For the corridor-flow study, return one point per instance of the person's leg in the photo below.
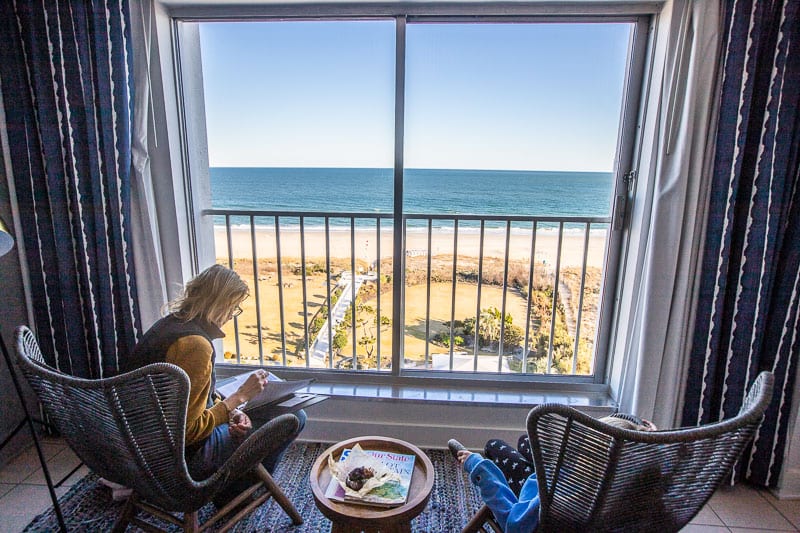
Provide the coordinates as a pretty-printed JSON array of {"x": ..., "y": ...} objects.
[
  {"x": 272, "y": 460},
  {"x": 216, "y": 449},
  {"x": 219, "y": 446},
  {"x": 524, "y": 447},
  {"x": 515, "y": 467}
]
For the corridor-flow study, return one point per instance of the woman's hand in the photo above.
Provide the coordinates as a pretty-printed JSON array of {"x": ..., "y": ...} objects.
[
  {"x": 254, "y": 384},
  {"x": 239, "y": 425}
]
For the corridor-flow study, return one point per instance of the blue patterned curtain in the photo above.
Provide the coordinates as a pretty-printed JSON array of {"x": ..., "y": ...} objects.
[
  {"x": 747, "y": 316},
  {"x": 65, "y": 72}
]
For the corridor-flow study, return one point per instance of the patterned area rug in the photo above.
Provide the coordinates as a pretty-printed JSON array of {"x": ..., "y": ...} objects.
[{"x": 88, "y": 505}]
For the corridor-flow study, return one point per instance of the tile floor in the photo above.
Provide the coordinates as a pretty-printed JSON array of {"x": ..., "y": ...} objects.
[
  {"x": 23, "y": 492},
  {"x": 23, "y": 495}
]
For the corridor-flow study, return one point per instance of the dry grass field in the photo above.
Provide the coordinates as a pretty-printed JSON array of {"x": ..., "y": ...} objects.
[{"x": 287, "y": 307}]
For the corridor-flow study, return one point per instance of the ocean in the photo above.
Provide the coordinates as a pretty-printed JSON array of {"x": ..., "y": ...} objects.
[{"x": 426, "y": 191}]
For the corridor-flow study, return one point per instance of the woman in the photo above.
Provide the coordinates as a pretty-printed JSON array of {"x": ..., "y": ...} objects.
[{"x": 214, "y": 425}]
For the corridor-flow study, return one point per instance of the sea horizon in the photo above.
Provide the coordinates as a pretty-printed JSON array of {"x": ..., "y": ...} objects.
[{"x": 426, "y": 191}]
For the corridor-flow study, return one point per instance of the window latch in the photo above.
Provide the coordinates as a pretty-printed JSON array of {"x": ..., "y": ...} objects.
[
  {"x": 628, "y": 179},
  {"x": 621, "y": 201}
]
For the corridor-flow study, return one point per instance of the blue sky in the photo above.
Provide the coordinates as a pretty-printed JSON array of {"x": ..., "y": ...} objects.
[{"x": 482, "y": 96}]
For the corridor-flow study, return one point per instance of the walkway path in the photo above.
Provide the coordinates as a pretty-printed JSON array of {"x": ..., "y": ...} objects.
[
  {"x": 565, "y": 295},
  {"x": 319, "y": 350}
]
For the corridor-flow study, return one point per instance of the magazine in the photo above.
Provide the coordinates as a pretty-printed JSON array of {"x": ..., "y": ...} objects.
[
  {"x": 277, "y": 391},
  {"x": 390, "y": 494}
]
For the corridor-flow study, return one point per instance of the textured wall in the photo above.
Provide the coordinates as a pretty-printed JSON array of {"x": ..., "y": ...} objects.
[{"x": 12, "y": 313}]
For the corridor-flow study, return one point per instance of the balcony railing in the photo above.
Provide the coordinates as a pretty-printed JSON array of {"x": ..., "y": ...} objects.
[{"x": 497, "y": 294}]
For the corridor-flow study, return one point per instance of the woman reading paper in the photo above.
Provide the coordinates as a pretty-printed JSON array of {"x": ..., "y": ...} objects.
[{"x": 184, "y": 337}]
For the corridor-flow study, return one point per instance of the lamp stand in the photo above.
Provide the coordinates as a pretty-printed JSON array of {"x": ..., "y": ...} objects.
[{"x": 29, "y": 421}]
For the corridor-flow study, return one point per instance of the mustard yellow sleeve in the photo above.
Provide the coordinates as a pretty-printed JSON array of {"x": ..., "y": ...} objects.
[{"x": 193, "y": 355}]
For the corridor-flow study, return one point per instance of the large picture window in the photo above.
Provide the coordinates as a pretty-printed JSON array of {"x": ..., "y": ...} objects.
[{"x": 427, "y": 195}]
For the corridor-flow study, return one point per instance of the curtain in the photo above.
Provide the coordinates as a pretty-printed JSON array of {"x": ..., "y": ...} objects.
[
  {"x": 665, "y": 239},
  {"x": 65, "y": 73},
  {"x": 747, "y": 312},
  {"x": 148, "y": 259}
]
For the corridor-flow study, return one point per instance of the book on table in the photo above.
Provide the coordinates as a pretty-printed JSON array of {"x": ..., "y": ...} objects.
[
  {"x": 278, "y": 396},
  {"x": 390, "y": 494}
]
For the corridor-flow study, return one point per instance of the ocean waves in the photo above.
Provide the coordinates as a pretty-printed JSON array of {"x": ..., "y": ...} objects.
[{"x": 425, "y": 191}]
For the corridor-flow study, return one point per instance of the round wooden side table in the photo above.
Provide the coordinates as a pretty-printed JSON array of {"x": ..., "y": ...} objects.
[{"x": 354, "y": 517}]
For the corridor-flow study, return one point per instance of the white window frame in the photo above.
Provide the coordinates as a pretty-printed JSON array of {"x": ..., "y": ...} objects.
[{"x": 191, "y": 168}]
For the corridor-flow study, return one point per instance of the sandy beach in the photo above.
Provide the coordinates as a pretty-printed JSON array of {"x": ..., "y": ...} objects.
[{"x": 365, "y": 244}]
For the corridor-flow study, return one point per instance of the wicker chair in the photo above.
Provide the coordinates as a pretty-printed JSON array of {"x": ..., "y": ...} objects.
[
  {"x": 595, "y": 477},
  {"x": 130, "y": 428}
]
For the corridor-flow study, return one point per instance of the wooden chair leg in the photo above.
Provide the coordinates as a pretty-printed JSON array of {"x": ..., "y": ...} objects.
[
  {"x": 278, "y": 494},
  {"x": 125, "y": 517},
  {"x": 475, "y": 525},
  {"x": 190, "y": 522}
]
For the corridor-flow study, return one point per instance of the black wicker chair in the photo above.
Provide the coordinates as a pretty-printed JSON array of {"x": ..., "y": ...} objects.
[
  {"x": 595, "y": 477},
  {"x": 130, "y": 429}
]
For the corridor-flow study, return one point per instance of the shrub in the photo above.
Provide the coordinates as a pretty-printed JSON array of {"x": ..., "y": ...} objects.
[
  {"x": 340, "y": 338},
  {"x": 512, "y": 336}
]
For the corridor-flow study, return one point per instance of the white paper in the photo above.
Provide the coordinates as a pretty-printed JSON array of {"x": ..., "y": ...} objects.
[
  {"x": 231, "y": 385},
  {"x": 359, "y": 458}
]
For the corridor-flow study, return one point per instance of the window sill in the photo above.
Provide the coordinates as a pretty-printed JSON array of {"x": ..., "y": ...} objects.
[
  {"x": 459, "y": 395},
  {"x": 430, "y": 415},
  {"x": 445, "y": 391},
  {"x": 428, "y": 412}
]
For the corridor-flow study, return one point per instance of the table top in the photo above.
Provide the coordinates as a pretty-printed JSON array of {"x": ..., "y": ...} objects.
[{"x": 418, "y": 493}]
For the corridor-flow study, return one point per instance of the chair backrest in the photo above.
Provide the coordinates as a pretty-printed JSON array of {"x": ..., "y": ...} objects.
[
  {"x": 596, "y": 477},
  {"x": 128, "y": 429}
]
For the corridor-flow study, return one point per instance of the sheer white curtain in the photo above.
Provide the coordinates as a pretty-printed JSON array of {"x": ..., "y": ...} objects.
[
  {"x": 165, "y": 255},
  {"x": 148, "y": 263},
  {"x": 153, "y": 204},
  {"x": 650, "y": 346}
]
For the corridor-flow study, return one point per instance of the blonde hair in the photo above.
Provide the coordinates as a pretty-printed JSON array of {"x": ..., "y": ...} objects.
[{"x": 213, "y": 295}]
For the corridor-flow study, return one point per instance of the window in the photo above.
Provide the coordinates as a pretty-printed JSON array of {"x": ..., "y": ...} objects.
[
  {"x": 300, "y": 120},
  {"x": 418, "y": 195},
  {"x": 511, "y": 120}
]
